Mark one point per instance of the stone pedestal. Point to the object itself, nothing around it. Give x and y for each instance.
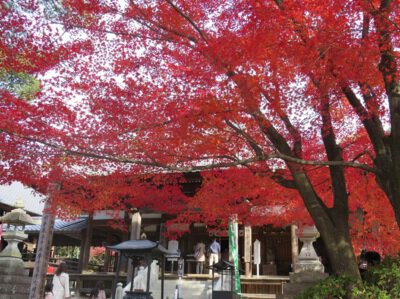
(308, 267)
(14, 279)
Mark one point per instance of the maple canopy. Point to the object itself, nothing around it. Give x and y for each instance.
(302, 97)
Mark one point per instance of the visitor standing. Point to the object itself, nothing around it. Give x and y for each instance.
(200, 257)
(61, 282)
(99, 292)
(215, 250)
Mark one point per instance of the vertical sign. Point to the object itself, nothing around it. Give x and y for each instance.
(257, 255)
(247, 250)
(235, 258)
(247, 244)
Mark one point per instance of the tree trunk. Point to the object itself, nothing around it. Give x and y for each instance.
(340, 252)
(394, 178)
(332, 227)
(389, 182)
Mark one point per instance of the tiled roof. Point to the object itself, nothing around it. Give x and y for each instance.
(62, 226)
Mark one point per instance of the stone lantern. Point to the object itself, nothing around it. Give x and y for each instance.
(14, 234)
(308, 266)
(14, 279)
(308, 260)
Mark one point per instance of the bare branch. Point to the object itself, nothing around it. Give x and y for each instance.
(133, 35)
(125, 160)
(147, 22)
(324, 163)
(363, 153)
(179, 11)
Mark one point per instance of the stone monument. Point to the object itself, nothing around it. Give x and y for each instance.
(308, 266)
(14, 279)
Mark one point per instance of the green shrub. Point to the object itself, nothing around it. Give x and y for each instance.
(386, 277)
(380, 282)
(334, 287)
(365, 291)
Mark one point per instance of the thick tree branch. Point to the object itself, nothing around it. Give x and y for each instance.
(334, 153)
(373, 129)
(283, 181)
(296, 136)
(253, 144)
(273, 135)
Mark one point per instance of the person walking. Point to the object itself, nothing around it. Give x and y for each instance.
(215, 250)
(61, 282)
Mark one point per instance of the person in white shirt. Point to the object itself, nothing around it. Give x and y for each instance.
(215, 251)
(61, 282)
(200, 257)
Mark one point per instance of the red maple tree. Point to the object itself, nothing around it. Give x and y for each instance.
(302, 94)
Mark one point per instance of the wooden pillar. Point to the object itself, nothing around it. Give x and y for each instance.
(85, 254)
(81, 250)
(136, 223)
(80, 262)
(43, 247)
(124, 260)
(163, 230)
(247, 250)
(107, 255)
(295, 245)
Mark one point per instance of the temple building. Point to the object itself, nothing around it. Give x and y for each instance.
(279, 247)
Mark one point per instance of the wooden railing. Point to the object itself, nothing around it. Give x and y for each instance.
(82, 284)
(263, 285)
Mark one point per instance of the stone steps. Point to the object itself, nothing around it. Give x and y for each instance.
(195, 289)
(256, 296)
(189, 289)
(14, 296)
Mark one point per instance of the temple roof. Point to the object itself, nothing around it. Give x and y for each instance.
(142, 247)
(61, 226)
